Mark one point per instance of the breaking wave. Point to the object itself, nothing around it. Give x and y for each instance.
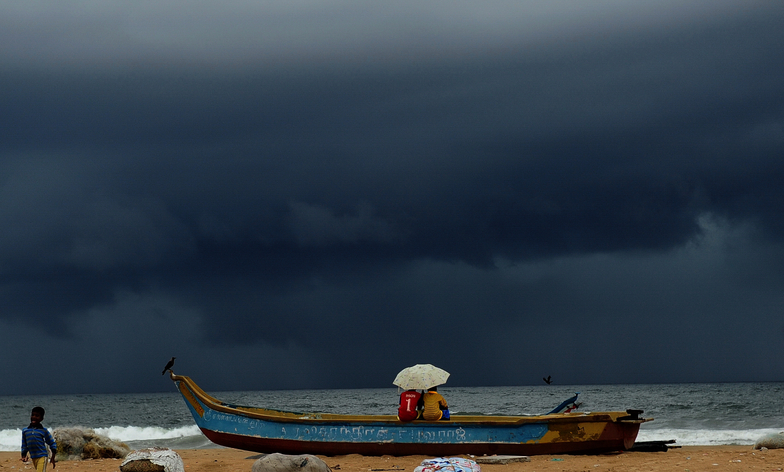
(184, 437)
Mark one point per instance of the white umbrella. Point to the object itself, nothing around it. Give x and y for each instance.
(420, 377)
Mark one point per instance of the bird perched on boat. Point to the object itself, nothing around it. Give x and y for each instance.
(169, 365)
(547, 380)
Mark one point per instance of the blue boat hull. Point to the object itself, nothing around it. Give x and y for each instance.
(267, 431)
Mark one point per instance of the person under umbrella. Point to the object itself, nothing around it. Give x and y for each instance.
(420, 376)
(410, 405)
(435, 406)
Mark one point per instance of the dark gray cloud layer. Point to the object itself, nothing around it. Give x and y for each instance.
(319, 195)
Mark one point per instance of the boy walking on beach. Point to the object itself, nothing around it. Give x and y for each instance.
(35, 438)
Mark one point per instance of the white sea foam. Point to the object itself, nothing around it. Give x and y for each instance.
(136, 433)
(705, 437)
(11, 439)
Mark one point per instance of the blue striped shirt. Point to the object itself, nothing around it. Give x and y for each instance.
(34, 441)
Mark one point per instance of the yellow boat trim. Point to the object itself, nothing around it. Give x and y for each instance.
(186, 393)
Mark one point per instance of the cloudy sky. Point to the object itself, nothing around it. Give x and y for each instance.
(316, 194)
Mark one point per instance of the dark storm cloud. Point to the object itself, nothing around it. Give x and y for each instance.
(308, 187)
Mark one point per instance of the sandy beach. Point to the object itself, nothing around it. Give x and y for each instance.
(685, 459)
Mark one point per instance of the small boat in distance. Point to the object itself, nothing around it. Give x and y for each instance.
(267, 431)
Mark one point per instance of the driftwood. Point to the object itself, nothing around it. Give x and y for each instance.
(653, 446)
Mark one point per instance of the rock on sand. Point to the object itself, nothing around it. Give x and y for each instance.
(285, 463)
(153, 460)
(771, 441)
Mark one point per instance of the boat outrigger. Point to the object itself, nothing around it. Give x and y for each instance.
(266, 430)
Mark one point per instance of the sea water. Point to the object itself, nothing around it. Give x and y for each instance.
(691, 414)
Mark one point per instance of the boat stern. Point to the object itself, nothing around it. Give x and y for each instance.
(605, 432)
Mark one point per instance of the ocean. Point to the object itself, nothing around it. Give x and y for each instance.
(691, 414)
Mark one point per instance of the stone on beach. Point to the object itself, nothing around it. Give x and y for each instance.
(286, 463)
(84, 443)
(770, 441)
(153, 460)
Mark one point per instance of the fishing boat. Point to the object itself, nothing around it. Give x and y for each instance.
(267, 430)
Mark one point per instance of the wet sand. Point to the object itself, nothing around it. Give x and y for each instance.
(685, 459)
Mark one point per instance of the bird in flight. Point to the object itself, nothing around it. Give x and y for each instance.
(546, 379)
(169, 365)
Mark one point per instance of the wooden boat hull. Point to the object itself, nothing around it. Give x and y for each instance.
(268, 431)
